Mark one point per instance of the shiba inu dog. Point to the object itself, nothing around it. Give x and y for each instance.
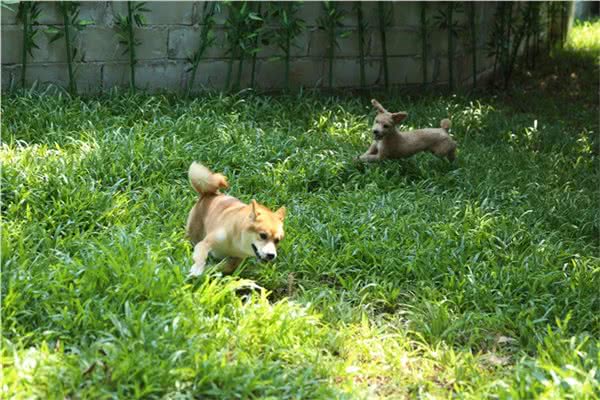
(389, 143)
(228, 228)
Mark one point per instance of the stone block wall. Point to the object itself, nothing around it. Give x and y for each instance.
(172, 32)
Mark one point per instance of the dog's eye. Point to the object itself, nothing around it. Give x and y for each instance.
(263, 236)
(386, 126)
(276, 241)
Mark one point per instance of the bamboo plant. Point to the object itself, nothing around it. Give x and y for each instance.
(450, 15)
(287, 26)
(331, 23)
(71, 25)
(473, 31)
(532, 32)
(494, 40)
(28, 13)
(535, 25)
(445, 20)
(507, 42)
(537, 31)
(207, 39)
(362, 29)
(528, 32)
(383, 22)
(241, 34)
(513, 50)
(550, 20)
(258, 28)
(563, 19)
(424, 42)
(510, 30)
(126, 33)
(499, 40)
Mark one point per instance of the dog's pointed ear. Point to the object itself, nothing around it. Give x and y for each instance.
(378, 106)
(399, 117)
(281, 213)
(253, 210)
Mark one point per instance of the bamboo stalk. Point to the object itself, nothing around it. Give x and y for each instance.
(288, 45)
(331, 49)
(229, 71)
(361, 36)
(536, 34)
(424, 41)
(330, 54)
(550, 21)
(235, 47)
(203, 43)
(506, 48)
(499, 37)
(473, 43)
(515, 50)
(450, 47)
(72, 84)
(26, 8)
(131, 40)
(527, 52)
(383, 43)
(255, 52)
(529, 22)
(562, 23)
(287, 60)
(238, 79)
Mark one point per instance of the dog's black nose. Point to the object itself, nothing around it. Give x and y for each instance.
(270, 256)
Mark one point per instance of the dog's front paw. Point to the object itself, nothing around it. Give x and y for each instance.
(196, 270)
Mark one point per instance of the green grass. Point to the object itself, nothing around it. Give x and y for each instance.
(585, 37)
(397, 280)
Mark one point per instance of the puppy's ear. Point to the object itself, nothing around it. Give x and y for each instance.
(253, 210)
(281, 213)
(399, 117)
(378, 106)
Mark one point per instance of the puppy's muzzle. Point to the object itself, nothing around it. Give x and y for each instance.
(266, 257)
(377, 135)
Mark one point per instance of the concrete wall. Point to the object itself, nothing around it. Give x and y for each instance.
(171, 36)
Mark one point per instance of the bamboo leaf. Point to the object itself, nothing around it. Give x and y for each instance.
(56, 37)
(6, 4)
(254, 16)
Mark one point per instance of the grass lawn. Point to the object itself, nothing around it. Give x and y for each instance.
(396, 280)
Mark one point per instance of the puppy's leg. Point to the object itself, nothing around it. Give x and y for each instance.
(451, 155)
(232, 264)
(442, 150)
(195, 228)
(371, 154)
(372, 149)
(201, 250)
(370, 157)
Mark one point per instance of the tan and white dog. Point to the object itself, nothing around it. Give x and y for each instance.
(389, 143)
(228, 228)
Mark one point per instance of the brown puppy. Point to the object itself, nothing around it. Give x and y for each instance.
(228, 228)
(389, 143)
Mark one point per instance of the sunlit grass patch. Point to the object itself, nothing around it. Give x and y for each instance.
(585, 36)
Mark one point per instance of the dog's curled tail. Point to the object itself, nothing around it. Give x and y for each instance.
(204, 181)
(445, 124)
